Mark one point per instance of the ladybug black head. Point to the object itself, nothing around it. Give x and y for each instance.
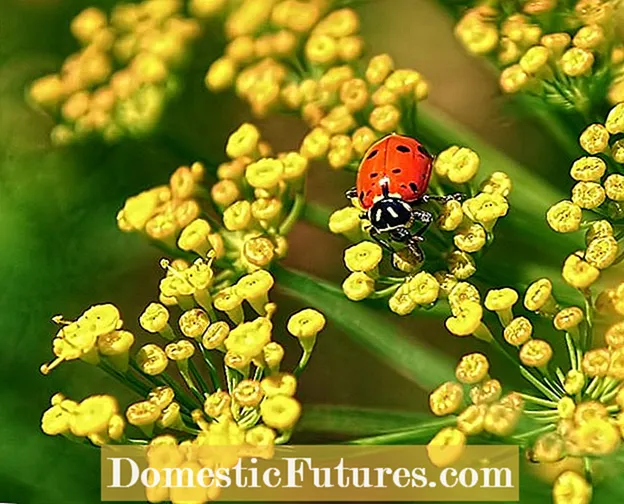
(390, 213)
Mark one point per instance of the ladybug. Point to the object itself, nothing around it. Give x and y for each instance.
(392, 181)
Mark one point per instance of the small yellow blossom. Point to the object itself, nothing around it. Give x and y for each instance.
(614, 187)
(564, 217)
(594, 139)
(535, 353)
(279, 384)
(588, 169)
(596, 362)
(588, 194)
(470, 239)
(472, 368)
(518, 331)
(446, 399)
(451, 216)
(576, 61)
(571, 487)
(358, 286)
(423, 288)
(471, 420)
(579, 273)
(363, 257)
(280, 412)
(486, 392)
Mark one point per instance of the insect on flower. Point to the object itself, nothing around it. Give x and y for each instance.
(392, 183)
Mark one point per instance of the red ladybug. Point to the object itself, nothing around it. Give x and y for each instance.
(392, 180)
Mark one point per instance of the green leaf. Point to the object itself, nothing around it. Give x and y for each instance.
(356, 421)
(414, 360)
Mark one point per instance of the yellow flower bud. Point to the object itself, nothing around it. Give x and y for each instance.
(194, 237)
(579, 273)
(574, 382)
(260, 435)
(249, 338)
(597, 436)
(93, 415)
(363, 257)
(596, 362)
(155, 319)
(616, 364)
(513, 79)
(306, 323)
(350, 48)
(471, 420)
(470, 239)
(161, 396)
(594, 139)
(217, 404)
(362, 138)
(589, 37)
(535, 353)
(571, 487)
(358, 286)
(535, 59)
(466, 319)
(143, 414)
(193, 323)
(485, 208)
(254, 288)
(615, 119)
(548, 448)
(556, 42)
(248, 393)
(378, 69)
(321, 49)
(446, 447)
(614, 187)
(564, 217)
(568, 318)
(501, 420)
(180, 350)
(461, 265)
(265, 173)
(273, 353)
(538, 295)
(576, 62)
(477, 36)
(279, 384)
(602, 252)
(354, 94)
(451, 216)
(446, 399)
(280, 412)
(315, 144)
(237, 216)
(590, 410)
(47, 91)
(243, 142)
(152, 359)
(346, 221)
(518, 331)
(383, 96)
(472, 368)
(86, 24)
(501, 301)
(617, 151)
(339, 23)
(614, 336)
(221, 74)
(423, 288)
(588, 169)
(385, 118)
(458, 164)
(486, 392)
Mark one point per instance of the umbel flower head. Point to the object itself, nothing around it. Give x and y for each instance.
(566, 64)
(125, 71)
(213, 309)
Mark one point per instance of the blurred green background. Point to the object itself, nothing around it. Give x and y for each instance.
(60, 250)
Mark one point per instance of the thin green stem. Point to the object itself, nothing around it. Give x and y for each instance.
(416, 434)
(294, 214)
(212, 370)
(541, 430)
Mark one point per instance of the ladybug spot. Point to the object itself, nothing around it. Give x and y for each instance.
(361, 195)
(374, 175)
(402, 148)
(396, 170)
(422, 150)
(372, 154)
(413, 187)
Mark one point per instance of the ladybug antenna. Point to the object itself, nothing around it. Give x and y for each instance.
(384, 188)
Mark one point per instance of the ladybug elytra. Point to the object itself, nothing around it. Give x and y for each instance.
(392, 180)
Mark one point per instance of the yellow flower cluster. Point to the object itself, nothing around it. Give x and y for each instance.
(599, 191)
(567, 60)
(257, 404)
(485, 410)
(259, 199)
(470, 223)
(118, 82)
(96, 334)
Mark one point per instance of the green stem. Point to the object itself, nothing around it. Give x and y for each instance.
(420, 433)
(534, 432)
(295, 212)
(212, 370)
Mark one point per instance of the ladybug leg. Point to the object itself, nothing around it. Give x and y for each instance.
(351, 193)
(403, 235)
(421, 216)
(443, 199)
(374, 234)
